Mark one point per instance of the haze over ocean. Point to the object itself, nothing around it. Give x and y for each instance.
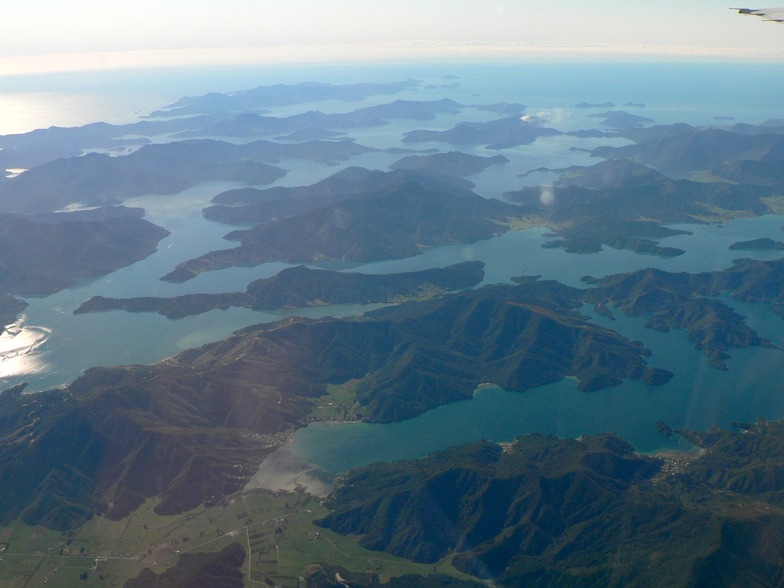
(683, 92)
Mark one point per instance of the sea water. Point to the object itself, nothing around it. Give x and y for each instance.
(671, 92)
(698, 396)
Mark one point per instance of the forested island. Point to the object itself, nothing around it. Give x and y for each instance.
(406, 215)
(762, 244)
(301, 286)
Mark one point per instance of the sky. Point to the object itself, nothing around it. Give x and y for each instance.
(52, 35)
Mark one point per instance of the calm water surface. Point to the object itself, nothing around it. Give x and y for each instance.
(52, 346)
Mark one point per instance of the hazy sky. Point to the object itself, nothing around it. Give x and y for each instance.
(93, 33)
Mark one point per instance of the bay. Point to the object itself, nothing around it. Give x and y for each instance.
(698, 397)
(55, 346)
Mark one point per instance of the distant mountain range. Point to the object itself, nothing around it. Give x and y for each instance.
(680, 149)
(250, 124)
(278, 95)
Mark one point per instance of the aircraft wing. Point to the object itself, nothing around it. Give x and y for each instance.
(770, 14)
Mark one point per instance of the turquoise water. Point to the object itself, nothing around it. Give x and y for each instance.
(672, 92)
(699, 396)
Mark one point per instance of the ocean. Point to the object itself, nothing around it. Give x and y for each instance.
(676, 92)
(54, 346)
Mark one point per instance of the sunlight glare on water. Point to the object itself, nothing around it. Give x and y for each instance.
(23, 112)
(18, 349)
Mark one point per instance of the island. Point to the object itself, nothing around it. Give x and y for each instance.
(687, 301)
(503, 108)
(450, 164)
(498, 134)
(301, 286)
(761, 244)
(607, 104)
(44, 253)
(620, 119)
(143, 475)
(251, 124)
(169, 168)
(278, 95)
(255, 206)
(197, 116)
(407, 215)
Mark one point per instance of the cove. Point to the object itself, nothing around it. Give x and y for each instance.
(699, 397)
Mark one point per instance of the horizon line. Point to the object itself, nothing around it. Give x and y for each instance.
(401, 52)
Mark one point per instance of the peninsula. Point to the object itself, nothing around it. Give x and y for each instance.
(44, 253)
(408, 215)
(625, 205)
(301, 286)
(194, 428)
